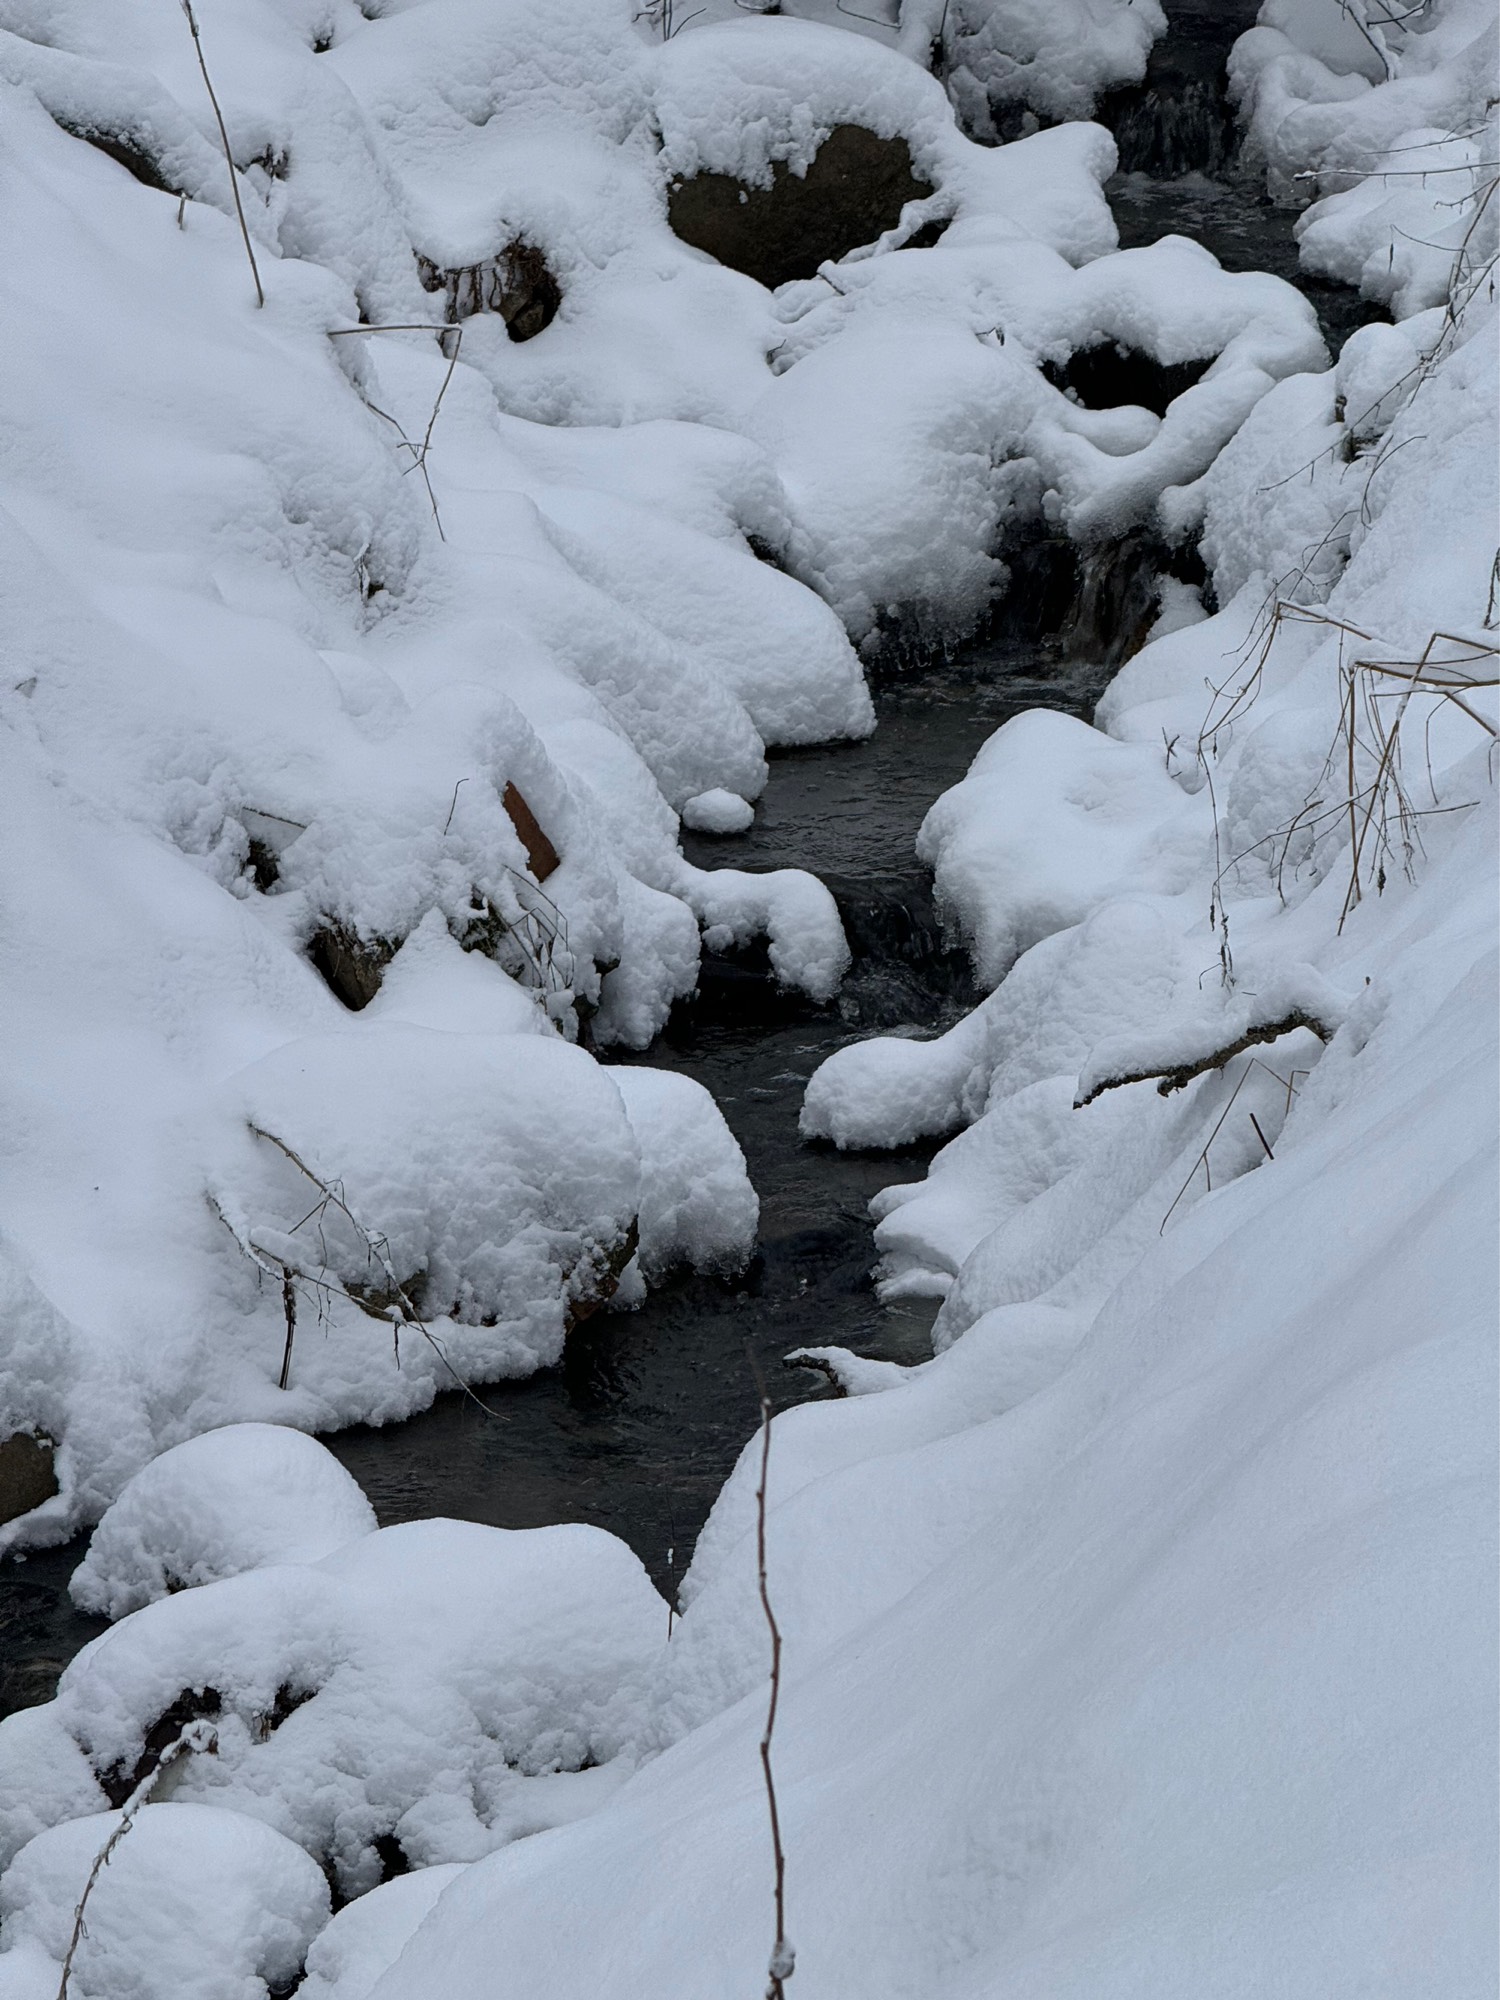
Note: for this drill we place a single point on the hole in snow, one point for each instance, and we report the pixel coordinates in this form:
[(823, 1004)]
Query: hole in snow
[(352, 966), (1109, 375), (854, 190), (518, 284), (126, 148)]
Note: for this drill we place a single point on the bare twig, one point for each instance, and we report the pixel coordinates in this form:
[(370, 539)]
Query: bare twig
[(783, 1957), (401, 1312), (1179, 1076), (234, 181), (198, 1735), (418, 451)]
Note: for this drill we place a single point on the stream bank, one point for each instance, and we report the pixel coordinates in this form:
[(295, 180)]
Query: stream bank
[(637, 1430)]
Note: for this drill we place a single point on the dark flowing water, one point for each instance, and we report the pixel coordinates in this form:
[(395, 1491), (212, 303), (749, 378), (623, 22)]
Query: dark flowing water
[(638, 1428)]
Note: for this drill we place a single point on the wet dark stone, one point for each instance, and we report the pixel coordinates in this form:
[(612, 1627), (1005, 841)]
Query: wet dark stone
[(517, 284), (351, 965), (854, 190), (1109, 375), (27, 1473)]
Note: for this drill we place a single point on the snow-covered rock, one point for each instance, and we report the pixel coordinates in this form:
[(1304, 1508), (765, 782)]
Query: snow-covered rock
[(238, 1498), (421, 1695), (194, 1903)]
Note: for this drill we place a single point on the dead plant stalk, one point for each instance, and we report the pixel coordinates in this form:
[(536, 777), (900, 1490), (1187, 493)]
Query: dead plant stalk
[(783, 1957), (234, 179), (196, 1736)]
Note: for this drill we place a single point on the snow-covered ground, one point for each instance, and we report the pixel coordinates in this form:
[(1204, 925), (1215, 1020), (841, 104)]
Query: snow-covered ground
[(1142, 1641)]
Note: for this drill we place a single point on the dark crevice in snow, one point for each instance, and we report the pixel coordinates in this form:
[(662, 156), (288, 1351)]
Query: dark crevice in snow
[(128, 149), (1109, 375), (517, 283), (192, 1705), (352, 966), (392, 1857), (853, 191)]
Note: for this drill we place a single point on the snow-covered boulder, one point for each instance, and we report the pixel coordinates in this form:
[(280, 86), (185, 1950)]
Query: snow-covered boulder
[(241, 1497), (194, 1903), (421, 1695)]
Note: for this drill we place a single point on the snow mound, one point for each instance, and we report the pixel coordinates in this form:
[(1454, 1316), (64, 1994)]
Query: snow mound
[(487, 1180), (1054, 59), (718, 812), (1053, 817), (422, 1695), (1389, 119), (241, 1497), (194, 1904), (697, 1204)]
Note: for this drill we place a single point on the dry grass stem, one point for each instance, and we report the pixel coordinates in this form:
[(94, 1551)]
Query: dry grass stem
[(234, 179)]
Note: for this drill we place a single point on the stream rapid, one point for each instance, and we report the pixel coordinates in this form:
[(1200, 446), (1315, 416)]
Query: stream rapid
[(637, 1429)]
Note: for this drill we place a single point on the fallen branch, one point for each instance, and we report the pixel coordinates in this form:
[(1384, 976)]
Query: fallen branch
[(400, 1313), (196, 1736), (1178, 1076), (418, 451), (783, 1957)]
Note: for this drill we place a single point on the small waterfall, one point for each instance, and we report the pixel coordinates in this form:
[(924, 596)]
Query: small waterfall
[(1179, 120)]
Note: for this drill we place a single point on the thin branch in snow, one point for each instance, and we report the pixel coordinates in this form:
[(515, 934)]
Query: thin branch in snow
[(1179, 1076), (418, 451), (323, 1286), (198, 1735), (783, 1957), (234, 179)]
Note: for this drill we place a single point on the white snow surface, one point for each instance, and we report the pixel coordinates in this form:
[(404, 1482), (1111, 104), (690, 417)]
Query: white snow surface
[(314, 622), (193, 1904), (441, 1686), (1140, 1643), (234, 1499)]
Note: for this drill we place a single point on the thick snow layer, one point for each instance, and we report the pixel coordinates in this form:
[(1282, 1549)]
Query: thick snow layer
[(1052, 58), (1389, 118), (1159, 1593), (368, 1935), (440, 1687), (1051, 817), (340, 648), (238, 1498), (1182, 1664), (697, 1205), (194, 1904)]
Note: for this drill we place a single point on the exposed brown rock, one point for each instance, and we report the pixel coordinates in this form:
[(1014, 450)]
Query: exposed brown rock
[(854, 190), (27, 1474), (541, 856)]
